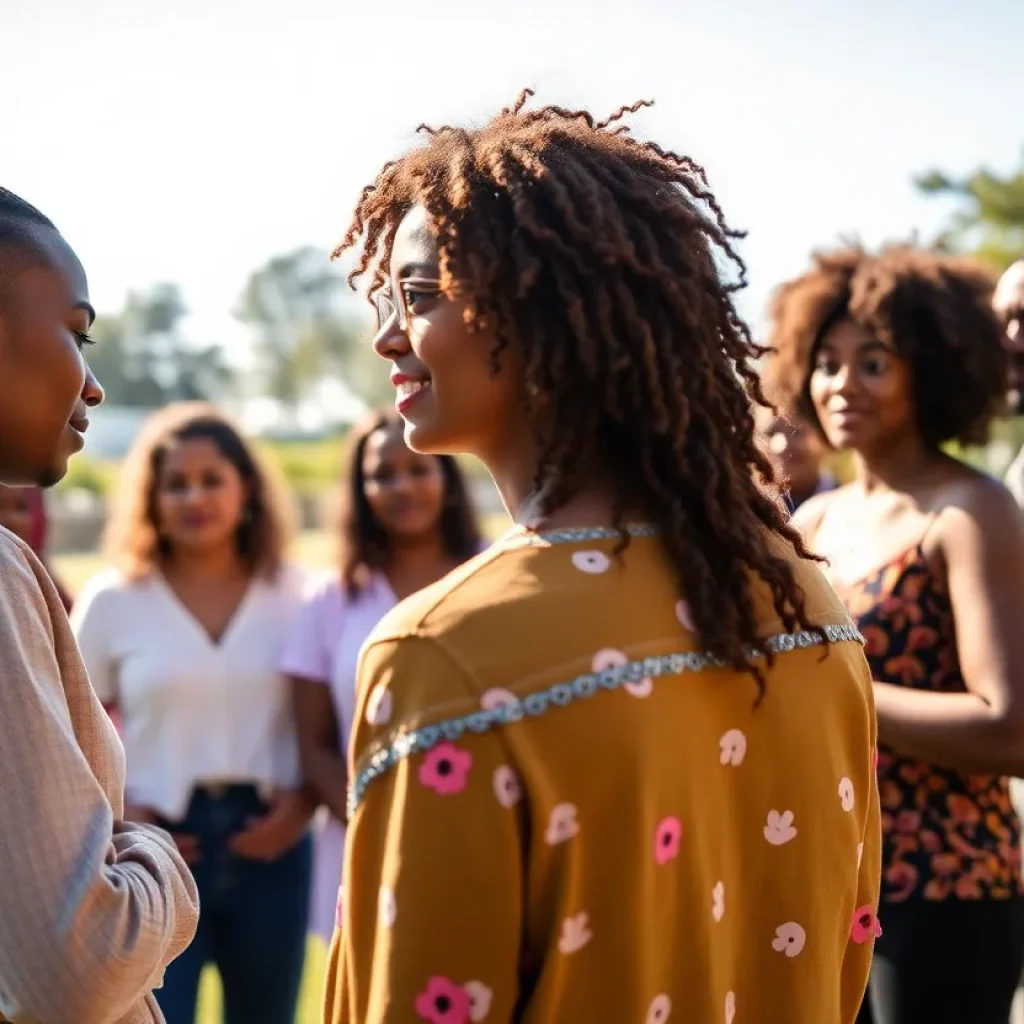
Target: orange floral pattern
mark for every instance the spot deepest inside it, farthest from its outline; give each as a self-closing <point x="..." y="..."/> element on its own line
<point x="945" y="835"/>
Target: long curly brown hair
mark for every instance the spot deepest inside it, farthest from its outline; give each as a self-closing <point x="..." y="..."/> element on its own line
<point x="598" y="257"/>
<point x="933" y="309"/>
<point x="365" y="544"/>
<point x="132" y="540"/>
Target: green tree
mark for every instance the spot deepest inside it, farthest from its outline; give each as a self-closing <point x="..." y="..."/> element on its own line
<point x="307" y="328"/>
<point x="143" y="360"/>
<point x="989" y="218"/>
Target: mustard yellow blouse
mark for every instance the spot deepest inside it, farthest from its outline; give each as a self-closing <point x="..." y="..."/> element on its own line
<point x="563" y="810"/>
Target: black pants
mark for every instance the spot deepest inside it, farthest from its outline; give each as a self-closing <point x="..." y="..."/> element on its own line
<point x="948" y="962"/>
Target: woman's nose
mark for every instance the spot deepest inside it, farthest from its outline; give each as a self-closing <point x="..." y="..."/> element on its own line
<point x="391" y="341"/>
<point x="844" y="380"/>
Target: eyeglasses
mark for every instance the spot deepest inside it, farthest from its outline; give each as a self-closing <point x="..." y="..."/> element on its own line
<point x="409" y="290"/>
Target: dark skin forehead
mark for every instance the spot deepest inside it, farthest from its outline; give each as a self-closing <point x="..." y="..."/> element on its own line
<point x="36" y="255"/>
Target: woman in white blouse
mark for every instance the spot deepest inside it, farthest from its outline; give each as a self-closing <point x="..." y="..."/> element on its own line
<point x="183" y="639"/>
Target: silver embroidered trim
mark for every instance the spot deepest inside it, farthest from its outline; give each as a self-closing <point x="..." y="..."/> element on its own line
<point x="577" y="534"/>
<point x="419" y="741"/>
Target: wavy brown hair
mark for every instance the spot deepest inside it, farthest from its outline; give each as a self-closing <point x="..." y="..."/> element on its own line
<point x="365" y="544"/>
<point x="933" y="309"/>
<point x="601" y="259"/>
<point x="132" y="540"/>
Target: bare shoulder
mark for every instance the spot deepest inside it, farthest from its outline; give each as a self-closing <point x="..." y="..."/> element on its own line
<point x="976" y="504"/>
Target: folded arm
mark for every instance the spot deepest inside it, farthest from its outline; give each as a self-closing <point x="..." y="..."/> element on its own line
<point x="92" y="909"/>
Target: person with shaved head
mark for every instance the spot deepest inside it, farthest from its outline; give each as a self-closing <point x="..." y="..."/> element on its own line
<point x="92" y="908"/>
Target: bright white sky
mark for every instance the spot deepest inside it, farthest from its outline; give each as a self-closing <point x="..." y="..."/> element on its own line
<point x="191" y="140"/>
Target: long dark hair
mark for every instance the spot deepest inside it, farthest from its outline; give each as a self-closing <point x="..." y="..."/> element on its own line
<point x="365" y="544"/>
<point x="602" y="259"/>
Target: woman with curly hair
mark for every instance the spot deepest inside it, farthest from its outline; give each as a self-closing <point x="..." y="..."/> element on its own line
<point x="406" y="521"/>
<point x="618" y="767"/>
<point x="182" y="639"/>
<point x="892" y="356"/>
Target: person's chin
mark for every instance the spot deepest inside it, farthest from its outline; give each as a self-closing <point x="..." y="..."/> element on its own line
<point x="423" y="436"/>
<point x="53" y="474"/>
<point x="72" y="442"/>
<point x="841" y="439"/>
<point x="411" y="526"/>
<point x="201" y="538"/>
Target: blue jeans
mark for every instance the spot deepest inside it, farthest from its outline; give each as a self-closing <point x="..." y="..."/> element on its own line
<point x="253" y="917"/>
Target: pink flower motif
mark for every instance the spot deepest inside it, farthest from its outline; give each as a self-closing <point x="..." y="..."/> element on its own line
<point x="339" y="910"/>
<point x="685" y="616"/>
<point x="497" y="697"/>
<point x="443" y="1002"/>
<point x="865" y="925"/>
<point x="445" y="769"/>
<point x="666" y="839"/>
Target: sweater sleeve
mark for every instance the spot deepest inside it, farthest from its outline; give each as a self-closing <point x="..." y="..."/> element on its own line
<point x="92" y="909"/>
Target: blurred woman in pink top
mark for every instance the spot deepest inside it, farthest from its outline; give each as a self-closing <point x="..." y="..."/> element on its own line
<point x="407" y="520"/>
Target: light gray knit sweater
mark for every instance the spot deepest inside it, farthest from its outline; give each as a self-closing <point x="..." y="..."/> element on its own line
<point x="92" y="908"/>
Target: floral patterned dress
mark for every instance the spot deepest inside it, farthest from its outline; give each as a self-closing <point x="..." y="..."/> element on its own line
<point x="945" y="835"/>
<point x="564" y="809"/>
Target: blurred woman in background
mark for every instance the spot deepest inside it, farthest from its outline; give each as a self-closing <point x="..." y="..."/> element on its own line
<point x="183" y="638"/>
<point x="892" y="356"/>
<point x="407" y="519"/>
<point x="796" y="452"/>
<point x="23" y="512"/>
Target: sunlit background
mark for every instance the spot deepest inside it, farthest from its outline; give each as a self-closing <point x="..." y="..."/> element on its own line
<point x="204" y="156"/>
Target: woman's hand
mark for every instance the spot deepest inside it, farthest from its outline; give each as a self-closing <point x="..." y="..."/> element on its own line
<point x="270" y="835"/>
<point x="188" y="846"/>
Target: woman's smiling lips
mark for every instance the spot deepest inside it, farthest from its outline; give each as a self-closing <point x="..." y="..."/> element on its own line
<point x="847" y="417"/>
<point x="408" y="390"/>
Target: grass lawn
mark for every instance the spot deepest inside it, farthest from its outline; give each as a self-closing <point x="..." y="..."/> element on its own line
<point x="310" y="1000"/>
<point x="316" y="550"/>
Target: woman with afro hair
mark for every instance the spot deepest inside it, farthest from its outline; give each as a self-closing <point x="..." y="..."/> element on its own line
<point x="619" y="766"/>
<point x="893" y="356"/>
